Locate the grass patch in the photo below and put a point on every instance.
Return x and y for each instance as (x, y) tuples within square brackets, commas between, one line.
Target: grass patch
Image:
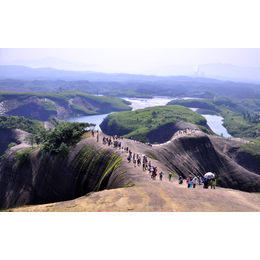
[(129, 184), (21, 156), (112, 165), (150, 156)]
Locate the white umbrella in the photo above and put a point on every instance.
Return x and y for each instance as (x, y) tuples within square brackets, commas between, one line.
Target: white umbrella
[(209, 175)]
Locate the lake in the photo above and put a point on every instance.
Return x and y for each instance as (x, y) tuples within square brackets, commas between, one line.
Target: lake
[(215, 122)]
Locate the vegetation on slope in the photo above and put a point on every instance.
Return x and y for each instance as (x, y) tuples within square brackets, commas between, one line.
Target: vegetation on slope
[(29, 125), (238, 120), (62, 137), (3, 156), (137, 124), (63, 97), (56, 142)]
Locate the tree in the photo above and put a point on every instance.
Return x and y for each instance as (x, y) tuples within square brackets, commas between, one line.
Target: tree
[(38, 139), (30, 139), (154, 114), (63, 150)]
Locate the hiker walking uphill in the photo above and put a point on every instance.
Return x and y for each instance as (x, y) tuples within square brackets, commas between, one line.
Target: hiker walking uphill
[(97, 136), (189, 182), (194, 182), (161, 175)]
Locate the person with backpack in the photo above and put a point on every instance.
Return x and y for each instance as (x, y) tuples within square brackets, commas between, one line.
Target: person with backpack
[(153, 176), (170, 176), (194, 182)]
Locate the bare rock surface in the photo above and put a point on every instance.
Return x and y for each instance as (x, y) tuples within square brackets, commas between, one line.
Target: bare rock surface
[(187, 153)]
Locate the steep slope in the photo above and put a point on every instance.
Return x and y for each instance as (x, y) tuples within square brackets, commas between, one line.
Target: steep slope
[(43, 178), (83, 171)]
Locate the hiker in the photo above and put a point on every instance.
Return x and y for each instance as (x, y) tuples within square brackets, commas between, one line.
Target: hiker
[(180, 180), (199, 180), (139, 161), (97, 135), (161, 175), (150, 164), (188, 182), (213, 183), (153, 176), (144, 166), (206, 183), (170, 176), (155, 171), (194, 182), (134, 161)]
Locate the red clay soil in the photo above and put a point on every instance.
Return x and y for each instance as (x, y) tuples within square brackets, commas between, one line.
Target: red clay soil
[(149, 195)]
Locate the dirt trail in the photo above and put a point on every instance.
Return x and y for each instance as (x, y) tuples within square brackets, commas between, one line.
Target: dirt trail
[(149, 195)]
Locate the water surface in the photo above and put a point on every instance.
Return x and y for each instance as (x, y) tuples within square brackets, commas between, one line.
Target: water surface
[(215, 122)]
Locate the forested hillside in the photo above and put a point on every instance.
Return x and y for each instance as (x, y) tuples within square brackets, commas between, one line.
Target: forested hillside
[(42, 106)]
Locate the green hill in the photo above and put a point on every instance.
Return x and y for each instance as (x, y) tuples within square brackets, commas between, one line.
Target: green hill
[(140, 123), (42, 106), (240, 121)]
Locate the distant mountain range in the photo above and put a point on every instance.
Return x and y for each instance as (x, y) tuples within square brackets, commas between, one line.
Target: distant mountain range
[(26, 73), (56, 68), (217, 71), (55, 63)]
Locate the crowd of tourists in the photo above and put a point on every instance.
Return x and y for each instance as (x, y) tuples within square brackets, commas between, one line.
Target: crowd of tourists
[(206, 182), (138, 160)]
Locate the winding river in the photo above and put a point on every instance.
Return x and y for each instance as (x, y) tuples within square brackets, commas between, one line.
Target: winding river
[(215, 122)]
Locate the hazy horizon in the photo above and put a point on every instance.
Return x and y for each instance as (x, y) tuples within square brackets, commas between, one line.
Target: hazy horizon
[(147, 61)]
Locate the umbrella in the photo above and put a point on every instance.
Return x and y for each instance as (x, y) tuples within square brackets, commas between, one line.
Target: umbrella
[(209, 175), (143, 154)]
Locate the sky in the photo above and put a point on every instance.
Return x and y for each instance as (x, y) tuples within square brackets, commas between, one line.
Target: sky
[(132, 36), (137, 60), (139, 56)]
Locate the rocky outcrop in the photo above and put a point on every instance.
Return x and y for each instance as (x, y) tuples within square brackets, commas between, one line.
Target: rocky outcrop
[(164, 133), (45, 178), (92, 166), (8, 136), (197, 154), (30, 107), (159, 135)]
